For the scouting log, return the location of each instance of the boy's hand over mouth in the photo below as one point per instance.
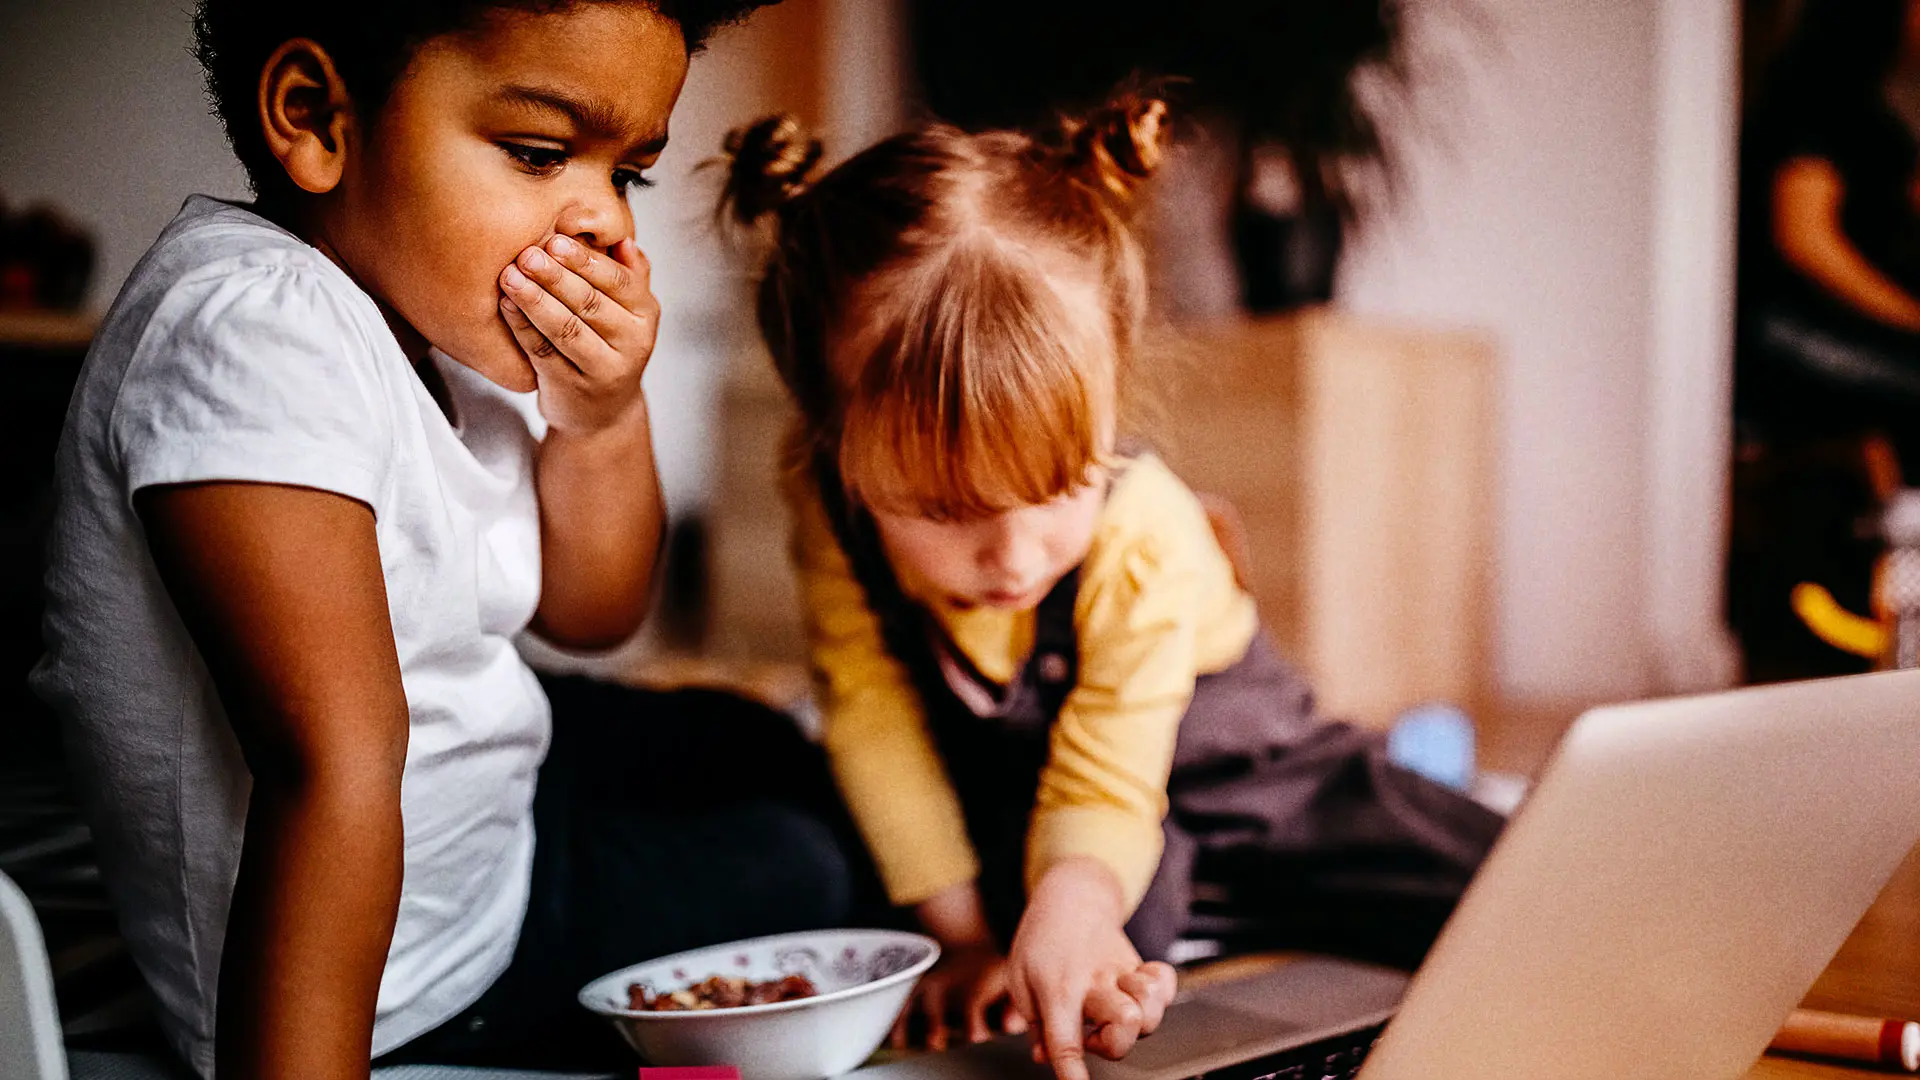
(587, 323)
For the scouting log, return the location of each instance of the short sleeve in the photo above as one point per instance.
(263, 374)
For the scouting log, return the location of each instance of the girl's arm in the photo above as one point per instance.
(1808, 194)
(282, 592)
(1157, 574)
(1072, 969)
(970, 979)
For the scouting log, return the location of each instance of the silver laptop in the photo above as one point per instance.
(1681, 874)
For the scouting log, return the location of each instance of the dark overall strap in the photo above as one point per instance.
(902, 627)
(1053, 669)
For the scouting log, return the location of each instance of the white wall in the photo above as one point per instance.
(1531, 215)
(702, 285)
(1690, 354)
(1538, 215)
(102, 112)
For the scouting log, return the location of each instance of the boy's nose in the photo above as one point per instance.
(599, 220)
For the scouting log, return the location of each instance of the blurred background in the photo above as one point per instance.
(1565, 197)
(1451, 309)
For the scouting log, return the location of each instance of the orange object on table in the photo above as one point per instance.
(1869, 1039)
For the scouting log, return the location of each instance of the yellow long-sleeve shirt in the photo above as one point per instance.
(1158, 606)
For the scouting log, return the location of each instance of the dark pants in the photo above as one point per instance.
(663, 821)
(1805, 373)
(1285, 831)
(1811, 383)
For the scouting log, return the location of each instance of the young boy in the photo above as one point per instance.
(331, 453)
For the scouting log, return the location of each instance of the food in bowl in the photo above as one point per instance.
(721, 992)
(863, 979)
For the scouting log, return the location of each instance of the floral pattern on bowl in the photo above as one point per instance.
(856, 961)
(864, 978)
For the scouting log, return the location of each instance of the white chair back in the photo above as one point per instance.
(30, 1047)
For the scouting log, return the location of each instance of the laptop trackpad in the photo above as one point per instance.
(1194, 1030)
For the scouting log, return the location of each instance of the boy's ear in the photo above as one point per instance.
(306, 114)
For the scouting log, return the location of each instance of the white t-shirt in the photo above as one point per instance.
(237, 352)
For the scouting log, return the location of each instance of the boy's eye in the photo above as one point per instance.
(535, 159)
(630, 179)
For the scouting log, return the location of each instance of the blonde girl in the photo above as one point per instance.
(1029, 644)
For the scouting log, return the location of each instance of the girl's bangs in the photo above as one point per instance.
(979, 404)
(985, 469)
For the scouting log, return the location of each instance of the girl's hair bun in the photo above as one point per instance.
(768, 162)
(1119, 144)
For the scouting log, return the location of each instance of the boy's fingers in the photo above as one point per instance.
(548, 362)
(1013, 1023)
(578, 294)
(1110, 1042)
(1166, 981)
(640, 298)
(628, 255)
(605, 271)
(1116, 1018)
(1020, 992)
(564, 329)
(603, 316)
(622, 311)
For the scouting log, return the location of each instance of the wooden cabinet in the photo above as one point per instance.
(1360, 456)
(1362, 459)
(756, 604)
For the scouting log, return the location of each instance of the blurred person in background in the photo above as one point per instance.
(1830, 253)
(1827, 398)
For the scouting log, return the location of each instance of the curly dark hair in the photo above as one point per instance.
(371, 43)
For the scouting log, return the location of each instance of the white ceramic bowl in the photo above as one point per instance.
(864, 978)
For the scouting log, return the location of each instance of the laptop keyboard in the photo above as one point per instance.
(1337, 1058)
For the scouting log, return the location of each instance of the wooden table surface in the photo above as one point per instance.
(1877, 972)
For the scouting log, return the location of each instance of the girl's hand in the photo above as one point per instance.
(970, 979)
(1072, 968)
(587, 323)
(964, 986)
